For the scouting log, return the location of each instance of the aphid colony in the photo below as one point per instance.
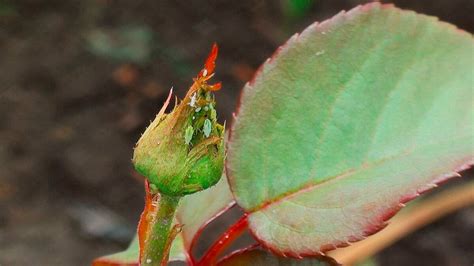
(204, 115)
(201, 99)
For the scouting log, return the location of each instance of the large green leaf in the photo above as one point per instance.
(346, 122)
(194, 212)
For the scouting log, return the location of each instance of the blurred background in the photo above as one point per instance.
(79, 82)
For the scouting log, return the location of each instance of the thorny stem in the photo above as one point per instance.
(156, 250)
(224, 241)
(420, 214)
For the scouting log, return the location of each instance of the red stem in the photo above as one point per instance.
(224, 241)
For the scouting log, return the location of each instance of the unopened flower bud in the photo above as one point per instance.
(183, 152)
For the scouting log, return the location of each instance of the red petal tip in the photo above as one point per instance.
(210, 64)
(215, 87)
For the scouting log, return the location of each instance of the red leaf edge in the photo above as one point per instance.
(371, 229)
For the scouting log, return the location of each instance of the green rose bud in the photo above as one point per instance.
(183, 152)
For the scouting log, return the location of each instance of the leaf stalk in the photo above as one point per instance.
(224, 241)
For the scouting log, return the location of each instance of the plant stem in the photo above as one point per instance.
(224, 241)
(407, 221)
(156, 250)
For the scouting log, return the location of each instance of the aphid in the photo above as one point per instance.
(188, 135)
(213, 114)
(192, 102)
(207, 127)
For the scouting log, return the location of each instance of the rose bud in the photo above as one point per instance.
(183, 152)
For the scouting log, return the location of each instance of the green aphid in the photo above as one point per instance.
(207, 128)
(213, 114)
(188, 135)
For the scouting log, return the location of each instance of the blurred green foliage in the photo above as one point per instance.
(134, 44)
(123, 44)
(296, 8)
(7, 9)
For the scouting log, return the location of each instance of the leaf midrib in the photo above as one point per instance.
(350, 172)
